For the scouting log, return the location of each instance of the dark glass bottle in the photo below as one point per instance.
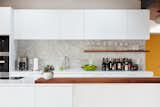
(114, 65)
(126, 68)
(119, 65)
(103, 64)
(107, 64)
(130, 64)
(110, 64)
(123, 64)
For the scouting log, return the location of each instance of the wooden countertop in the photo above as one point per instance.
(98, 80)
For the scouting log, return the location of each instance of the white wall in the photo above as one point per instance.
(154, 27)
(127, 4)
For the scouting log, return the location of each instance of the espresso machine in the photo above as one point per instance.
(22, 64)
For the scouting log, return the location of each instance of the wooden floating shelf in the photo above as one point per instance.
(116, 51)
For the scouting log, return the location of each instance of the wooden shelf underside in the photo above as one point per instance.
(116, 51)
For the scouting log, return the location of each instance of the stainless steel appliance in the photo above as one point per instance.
(4, 56)
(22, 64)
(4, 59)
(11, 78)
(4, 66)
(4, 43)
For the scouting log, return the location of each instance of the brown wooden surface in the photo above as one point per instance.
(116, 51)
(99, 80)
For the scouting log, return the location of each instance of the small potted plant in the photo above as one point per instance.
(48, 72)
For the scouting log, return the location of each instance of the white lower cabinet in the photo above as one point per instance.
(80, 95)
(16, 96)
(45, 95)
(116, 95)
(53, 95)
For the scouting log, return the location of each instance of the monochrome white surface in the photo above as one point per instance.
(85, 74)
(25, 80)
(81, 24)
(31, 95)
(154, 27)
(93, 74)
(71, 24)
(119, 24)
(5, 20)
(53, 95)
(105, 24)
(116, 95)
(16, 96)
(48, 24)
(138, 24)
(80, 95)
(36, 24)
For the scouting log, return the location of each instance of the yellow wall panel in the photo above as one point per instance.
(153, 57)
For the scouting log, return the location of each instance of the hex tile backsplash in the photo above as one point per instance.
(53, 51)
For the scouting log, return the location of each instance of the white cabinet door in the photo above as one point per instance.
(138, 24)
(36, 24)
(116, 95)
(71, 24)
(5, 20)
(105, 24)
(54, 95)
(12, 96)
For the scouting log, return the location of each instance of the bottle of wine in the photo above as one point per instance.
(110, 64)
(107, 64)
(103, 64)
(123, 64)
(119, 65)
(126, 68)
(130, 64)
(114, 65)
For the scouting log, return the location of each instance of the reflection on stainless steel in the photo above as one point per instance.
(4, 66)
(11, 78)
(4, 56)
(4, 74)
(2, 61)
(4, 53)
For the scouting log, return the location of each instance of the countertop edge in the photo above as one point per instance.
(97, 80)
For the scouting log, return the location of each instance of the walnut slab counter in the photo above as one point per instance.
(98, 80)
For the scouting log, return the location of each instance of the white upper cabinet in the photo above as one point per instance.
(138, 24)
(105, 24)
(48, 24)
(71, 24)
(117, 24)
(5, 20)
(81, 24)
(36, 24)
